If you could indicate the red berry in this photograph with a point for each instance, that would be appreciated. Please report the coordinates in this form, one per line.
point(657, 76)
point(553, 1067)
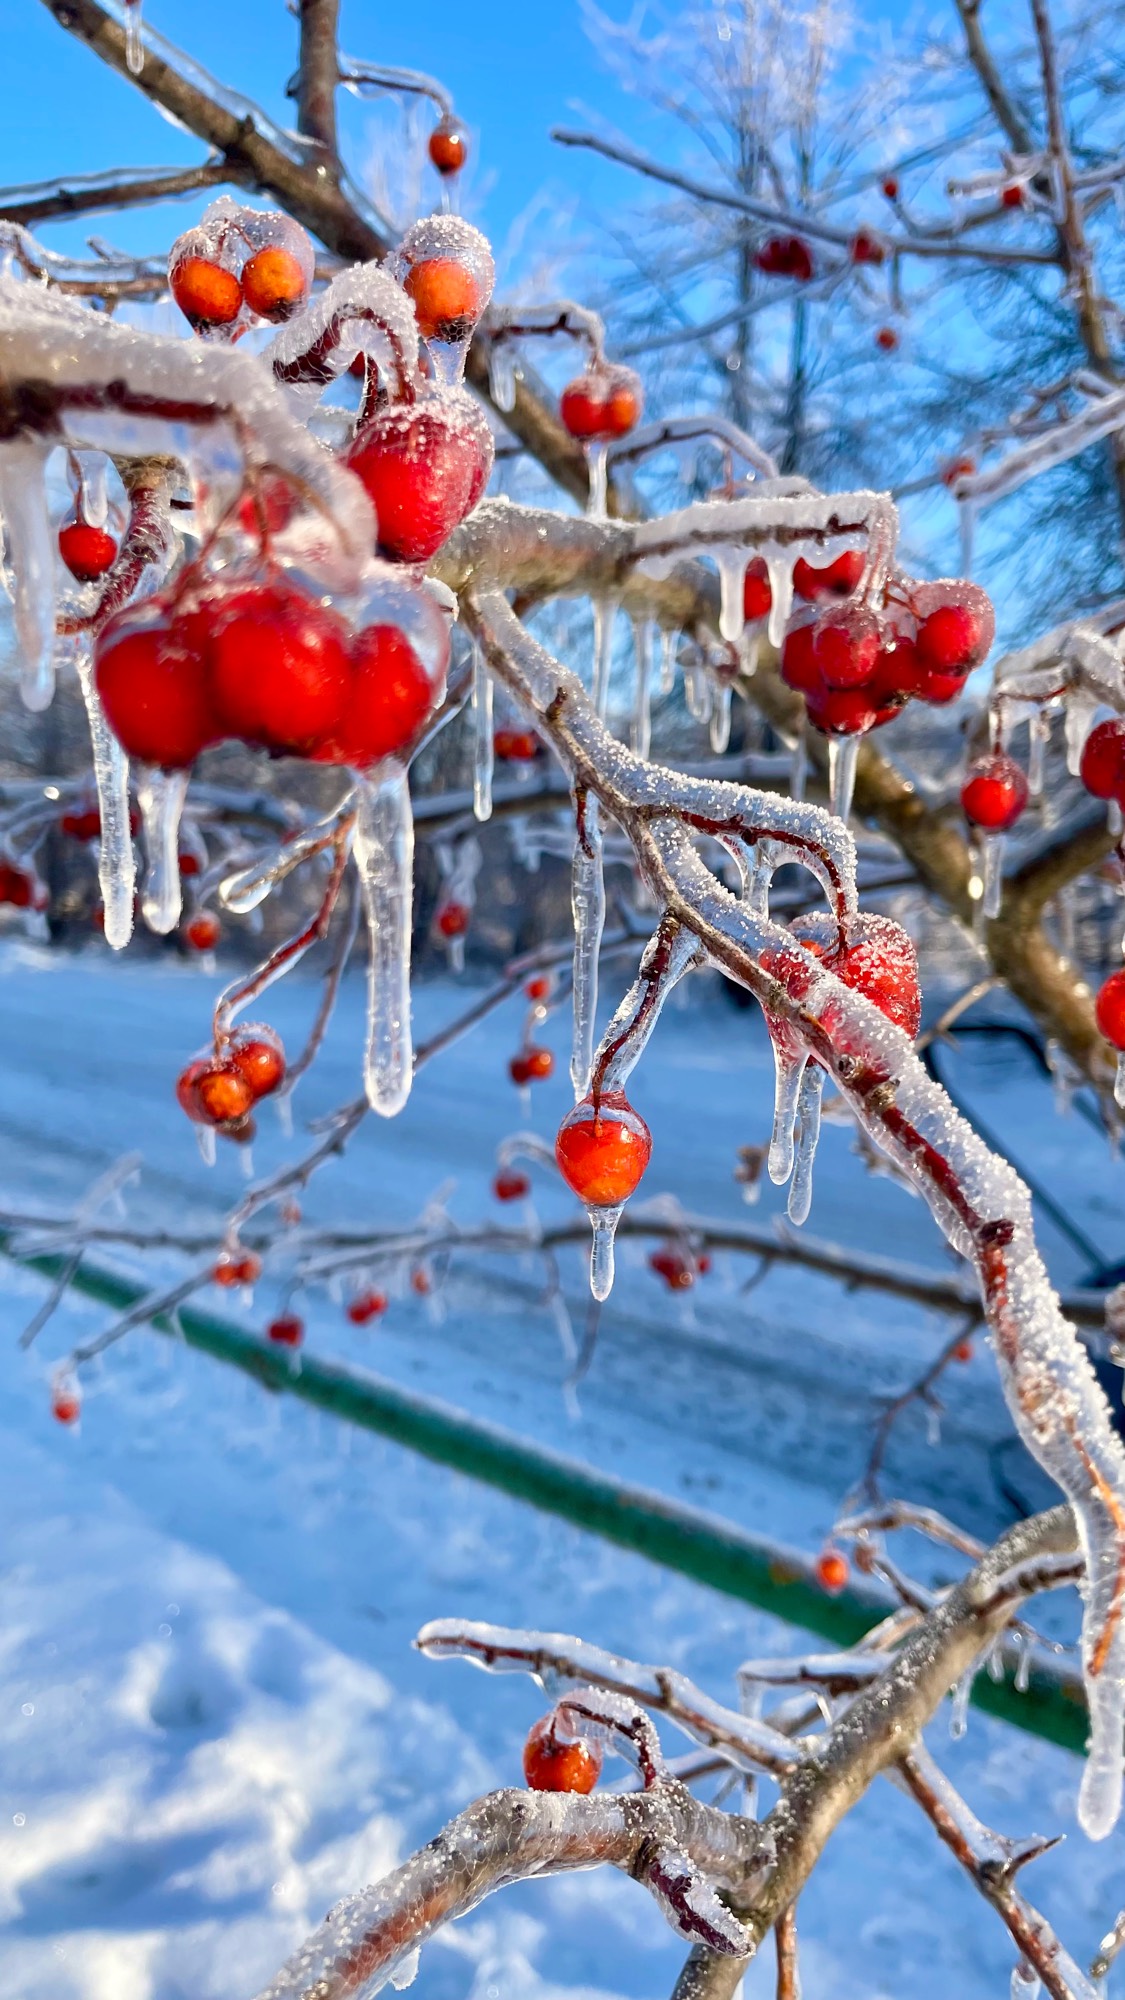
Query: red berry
point(832, 1571)
point(785, 257)
point(994, 793)
point(448, 148)
point(890, 188)
point(154, 687)
point(87, 552)
point(367, 1305)
point(757, 594)
point(286, 1331)
point(1011, 196)
point(949, 639)
point(866, 249)
point(676, 1269)
point(1102, 769)
point(66, 1403)
point(420, 1282)
point(538, 989)
point(16, 887)
point(269, 505)
point(391, 696)
point(540, 1063)
point(1109, 1009)
point(280, 668)
point(259, 1058)
point(453, 920)
point(886, 339)
point(799, 669)
point(846, 648)
point(551, 1765)
point(221, 1092)
point(958, 468)
point(188, 865)
point(446, 296)
point(516, 746)
point(841, 711)
point(876, 958)
point(603, 404)
point(203, 932)
point(274, 284)
point(603, 1149)
point(206, 294)
point(834, 579)
point(82, 825)
point(424, 466)
point(510, 1185)
point(962, 1352)
point(237, 1267)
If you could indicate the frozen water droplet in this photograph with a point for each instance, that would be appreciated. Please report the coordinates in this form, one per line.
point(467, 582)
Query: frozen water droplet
point(160, 795)
point(93, 488)
point(134, 46)
point(406, 1971)
point(842, 754)
point(205, 1140)
point(1078, 717)
point(1119, 1082)
point(799, 765)
point(1025, 1981)
point(1039, 736)
point(604, 1223)
point(483, 752)
point(787, 1085)
point(117, 867)
point(384, 856)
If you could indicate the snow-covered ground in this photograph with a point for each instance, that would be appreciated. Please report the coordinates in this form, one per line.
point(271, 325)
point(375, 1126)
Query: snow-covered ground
point(212, 1720)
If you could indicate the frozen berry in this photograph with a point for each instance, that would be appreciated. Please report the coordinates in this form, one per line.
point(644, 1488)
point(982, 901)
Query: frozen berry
point(799, 669)
point(286, 1331)
point(949, 639)
point(757, 594)
point(1012, 195)
point(87, 552)
point(16, 886)
point(604, 403)
point(1109, 1009)
point(448, 148)
point(154, 687)
point(366, 1306)
point(237, 1267)
point(85, 825)
point(846, 648)
point(832, 1571)
point(257, 1055)
point(206, 294)
point(538, 988)
point(274, 284)
point(994, 793)
point(424, 466)
point(540, 1063)
point(834, 579)
point(66, 1403)
point(203, 932)
point(958, 468)
point(446, 297)
point(962, 1352)
point(890, 188)
point(510, 1185)
point(866, 249)
point(222, 1093)
point(1102, 769)
point(886, 339)
point(675, 1267)
point(453, 920)
point(280, 667)
point(420, 1282)
point(391, 696)
point(785, 257)
point(602, 1149)
point(516, 746)
point(551, 1765)
point(267, 506)
point(841, 711)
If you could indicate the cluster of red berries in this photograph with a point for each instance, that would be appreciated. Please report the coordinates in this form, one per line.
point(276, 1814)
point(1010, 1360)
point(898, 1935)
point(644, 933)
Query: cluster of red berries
point(550, 1764)
point(602, 404)
point(871, 955)
point(785, 257)
point(367, 1306)
point(261, 660)
point(87, 552)
point(857, 668)
point(239, 264)
point(222, 1089)
point(236, 1266)
point(679, 1265)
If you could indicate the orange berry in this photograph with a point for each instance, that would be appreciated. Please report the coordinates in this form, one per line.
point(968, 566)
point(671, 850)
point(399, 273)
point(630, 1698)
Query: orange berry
point(553, 1766)
point(203, 932)
point(540, 1063)
point(205, 293)
point(963, 1351)
point(446, 298)
point(260, 1060)
point(449, 148)
point(273, 283)
point(222, 1093)
point(603, 1149)
point(66, 1405)
point(832, 1571)
point(420, 1282)
point(237, 1267)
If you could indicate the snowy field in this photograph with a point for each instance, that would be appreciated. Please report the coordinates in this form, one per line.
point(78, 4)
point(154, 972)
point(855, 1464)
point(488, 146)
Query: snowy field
point(212, 1720)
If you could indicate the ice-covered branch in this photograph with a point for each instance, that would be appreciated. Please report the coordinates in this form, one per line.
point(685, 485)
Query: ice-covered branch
point(113, 188)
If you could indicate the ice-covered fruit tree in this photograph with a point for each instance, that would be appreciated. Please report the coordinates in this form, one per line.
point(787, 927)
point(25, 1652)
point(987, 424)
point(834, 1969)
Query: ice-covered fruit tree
point(273, 529)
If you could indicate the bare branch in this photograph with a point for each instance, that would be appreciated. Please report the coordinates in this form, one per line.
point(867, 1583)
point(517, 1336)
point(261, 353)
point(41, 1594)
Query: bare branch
point(317, 75)
point(116, 188)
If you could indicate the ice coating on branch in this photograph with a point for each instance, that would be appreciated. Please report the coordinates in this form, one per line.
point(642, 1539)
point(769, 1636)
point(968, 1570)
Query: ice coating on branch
point(587, 901)
point(214, 408)
point(484, 752)
point(161, 795)
point(29, 569)
point(384, 857)
point(641, 732)
point(117, 867)
point(807, 1134)
point(669, 953)
point(362, 311)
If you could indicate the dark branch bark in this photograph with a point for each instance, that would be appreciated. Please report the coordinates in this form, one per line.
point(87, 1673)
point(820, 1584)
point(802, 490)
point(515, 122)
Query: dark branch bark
point(317, 77)
point(30, 205)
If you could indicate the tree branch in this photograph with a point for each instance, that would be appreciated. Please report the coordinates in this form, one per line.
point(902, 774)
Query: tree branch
point(317, 76)
point(118, 188)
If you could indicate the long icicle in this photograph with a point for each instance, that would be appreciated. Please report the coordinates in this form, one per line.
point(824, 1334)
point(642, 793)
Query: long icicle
point(160, 795)
point(384, 856)
point(117, 866)
point(483, 751)
point(588, 906)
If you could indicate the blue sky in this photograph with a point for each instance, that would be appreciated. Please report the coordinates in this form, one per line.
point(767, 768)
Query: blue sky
point(514, 70)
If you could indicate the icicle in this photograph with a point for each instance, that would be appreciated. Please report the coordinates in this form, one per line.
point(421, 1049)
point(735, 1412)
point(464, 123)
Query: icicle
point(406, 1972)
point(1115, 825)
point(205, 1140)
point(642, 712)
point(1119, 1083)
point(799, 765)
point(967, 524)
point(588, 905)
point(781, 597)
point(669, 641)
point(787, 1090)
point(720, 719)
point(502, 375)
point(117, 867)
point(30, 565)
point(992, 871)
point(483, 753)
point(598, 466)
point(808, 1132)
point(134, 47)
point(604, 1223)
point(94, 490)
point(842, 754)
point(700, 692)
point(959, 1706)
point(160, 795)
point(605, 618)
point(384, 855)
point(1038, 737)
point(732, 591)
point(1078, 715)
point(1023, 1664)
point(1025, 1981)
